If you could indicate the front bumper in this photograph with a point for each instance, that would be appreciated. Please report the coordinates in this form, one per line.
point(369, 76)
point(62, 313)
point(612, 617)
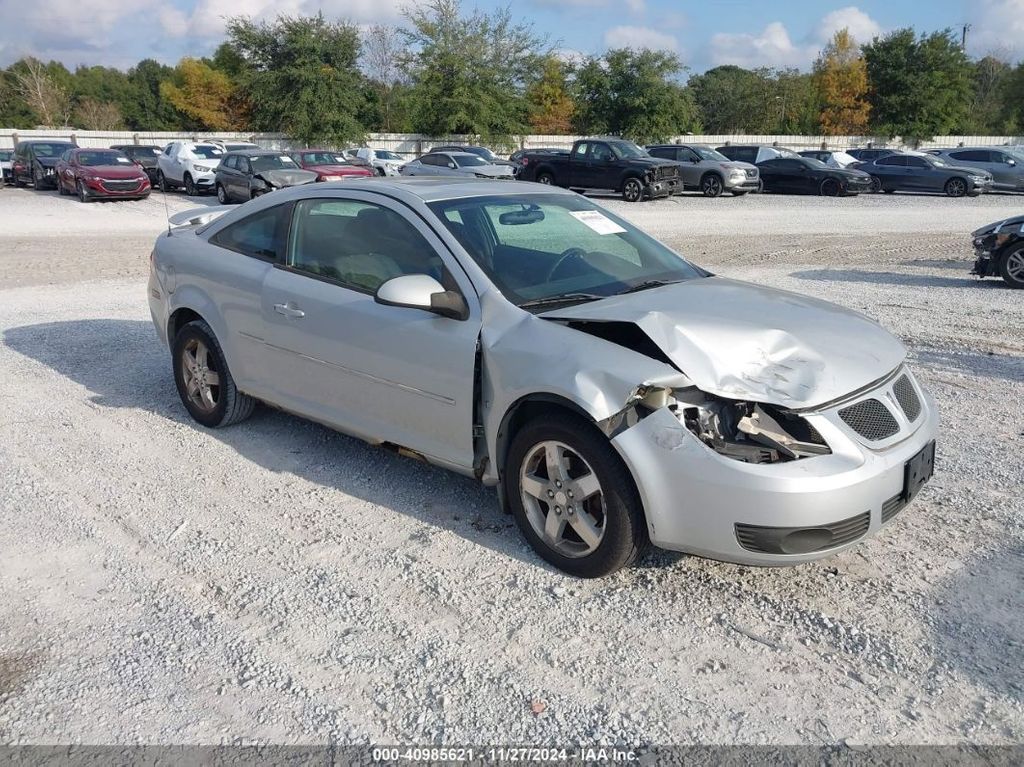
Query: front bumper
point(858, 186)
point(699, 502)
point(745, 184)
point(980, 187)
point(98, 189)
point(205, 182)
point(662, 188)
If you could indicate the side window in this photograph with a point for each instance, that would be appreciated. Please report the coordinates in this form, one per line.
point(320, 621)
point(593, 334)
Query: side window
point(358, 244)
point(601, 153)
point(432, 159)
point(893, 159)
point(915, 162)
point(581, 150)
point(663, 152)
point(971, 155)
point(229, 162)
point(261, 235)
point(745, 154)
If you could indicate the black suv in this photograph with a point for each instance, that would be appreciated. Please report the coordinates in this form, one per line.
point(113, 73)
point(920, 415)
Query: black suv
point(142, 155)
point(35, 162)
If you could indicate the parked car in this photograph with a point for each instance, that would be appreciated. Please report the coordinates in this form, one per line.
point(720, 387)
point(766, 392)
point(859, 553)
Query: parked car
point(95, 174)
point(5, 166)
point(480, 151)
point(516, 157)
point(455, 164)
point(999, 250)
point(833, 159)
point(701, 167)
point(383, 161)
point(143, 155)
point(606, 164)
point(242, 176)
point(184, 164)
point(328, 165)
point(234, 146)
point(925, 173)
point(1005, 167)
point(35, 162)
point(802, 175)
point(755, 154)
point(874, 153)
point(628, 395)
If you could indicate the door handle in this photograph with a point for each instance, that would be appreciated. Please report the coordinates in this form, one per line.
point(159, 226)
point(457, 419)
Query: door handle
point(289, 311)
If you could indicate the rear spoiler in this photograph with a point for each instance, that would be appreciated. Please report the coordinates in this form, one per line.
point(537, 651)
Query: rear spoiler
point(196, 216)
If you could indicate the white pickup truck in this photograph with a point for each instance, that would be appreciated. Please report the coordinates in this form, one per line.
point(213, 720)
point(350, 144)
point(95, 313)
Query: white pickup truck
point(184, 164)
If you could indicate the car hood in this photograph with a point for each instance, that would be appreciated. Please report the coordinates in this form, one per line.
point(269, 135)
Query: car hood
point(48, 162)
point(115, 172)
point(849, 173)
point(743, 341)
point(282, 177)
point(1002, 224)
point(340, 170)
point(491, 171)
point(965, 169)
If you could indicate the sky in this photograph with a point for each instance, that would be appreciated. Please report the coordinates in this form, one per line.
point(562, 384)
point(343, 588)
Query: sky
point(749, 33)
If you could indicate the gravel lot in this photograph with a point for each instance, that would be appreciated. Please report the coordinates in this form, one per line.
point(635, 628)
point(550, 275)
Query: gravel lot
point(278, 582)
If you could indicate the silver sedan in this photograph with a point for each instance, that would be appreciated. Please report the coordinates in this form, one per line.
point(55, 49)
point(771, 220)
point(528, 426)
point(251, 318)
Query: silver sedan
point(613, 392)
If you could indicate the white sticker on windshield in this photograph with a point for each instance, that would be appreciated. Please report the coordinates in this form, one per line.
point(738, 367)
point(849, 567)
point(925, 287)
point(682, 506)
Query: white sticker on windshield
point(597, 221)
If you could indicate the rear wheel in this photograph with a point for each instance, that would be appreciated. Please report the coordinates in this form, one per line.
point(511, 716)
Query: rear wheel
point(1011, 267)
point(956, 187)
point(204, 382)
point(632, 190)
point(190, 186)
point(61, 189)
point(573, 497)
point(222, 196)
point(711, 185)
point(545, 178)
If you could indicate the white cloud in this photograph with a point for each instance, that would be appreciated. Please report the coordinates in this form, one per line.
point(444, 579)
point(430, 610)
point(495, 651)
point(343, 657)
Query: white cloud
point(774, 47)
point(637, 6)
point(997, 26)
point(639, 38)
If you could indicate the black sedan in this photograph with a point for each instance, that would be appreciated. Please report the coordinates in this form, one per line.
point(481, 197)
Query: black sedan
point(925, 173)
point(802, 175)
point(241, 176)
point(999, 250)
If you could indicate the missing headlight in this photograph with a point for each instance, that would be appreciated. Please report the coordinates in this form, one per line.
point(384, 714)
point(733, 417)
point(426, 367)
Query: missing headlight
point(749, 431)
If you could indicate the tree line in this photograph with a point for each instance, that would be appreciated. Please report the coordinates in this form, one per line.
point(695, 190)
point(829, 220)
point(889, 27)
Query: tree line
point(448, 71)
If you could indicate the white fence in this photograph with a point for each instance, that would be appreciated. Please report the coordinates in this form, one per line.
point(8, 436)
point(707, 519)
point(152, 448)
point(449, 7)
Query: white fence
point(414, 144)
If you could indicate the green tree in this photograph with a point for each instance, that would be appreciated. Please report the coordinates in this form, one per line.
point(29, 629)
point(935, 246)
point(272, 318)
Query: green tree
point(147, 110)
point(1013, 101)
point(990, 107)
point(549, 102)
point(919, 87)
point(842, 76)
point(301, 76)
point(727, 98)
point(14, 110)
point(45, 89)
point(468, 73)
point(634, 94)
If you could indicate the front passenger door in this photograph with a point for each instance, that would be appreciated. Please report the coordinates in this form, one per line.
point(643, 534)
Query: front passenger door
point(384, 373)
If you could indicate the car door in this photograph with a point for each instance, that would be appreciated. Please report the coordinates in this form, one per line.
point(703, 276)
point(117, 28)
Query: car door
point(691, 168)
point(388, 374)
point(1002, 167)
point(920, 176)
point(600, 168)
point(892, 169)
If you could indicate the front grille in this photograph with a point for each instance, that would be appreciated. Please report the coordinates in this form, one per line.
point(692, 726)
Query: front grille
point(892, 507)
point(907, 397)
point(666, 171)
point(802, 540)
point(870, 419)
point(128, 185)
point(751, 172)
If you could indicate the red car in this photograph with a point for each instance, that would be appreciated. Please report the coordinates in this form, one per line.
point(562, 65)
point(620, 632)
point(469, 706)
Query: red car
point(329, 166)
point(93, 174)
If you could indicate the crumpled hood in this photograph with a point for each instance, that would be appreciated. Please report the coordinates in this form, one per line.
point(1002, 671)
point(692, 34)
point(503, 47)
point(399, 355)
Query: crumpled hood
point(1004, 223)
point(281, 177)
point(491, 171)
point(743, 341)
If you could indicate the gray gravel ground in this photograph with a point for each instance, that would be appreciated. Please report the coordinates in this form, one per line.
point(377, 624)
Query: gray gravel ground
point(279, 582)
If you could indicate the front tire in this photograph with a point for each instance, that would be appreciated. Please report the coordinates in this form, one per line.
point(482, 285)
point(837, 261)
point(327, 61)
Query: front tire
point(876, 184)
point(161, 182)
point(190, 186)
point(632, 190)
point(203, 380)
point(711, 185)
point(83, 194)
point(1011, 267)
point(830, 188)
point(573, 497)
point(956, 187)
point(545, 178)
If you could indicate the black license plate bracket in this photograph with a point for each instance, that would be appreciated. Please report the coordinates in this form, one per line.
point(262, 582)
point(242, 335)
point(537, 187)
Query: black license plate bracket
point(918, 470)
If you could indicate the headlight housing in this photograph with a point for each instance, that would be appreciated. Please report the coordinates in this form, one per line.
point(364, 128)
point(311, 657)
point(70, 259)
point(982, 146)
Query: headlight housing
point(202, 168)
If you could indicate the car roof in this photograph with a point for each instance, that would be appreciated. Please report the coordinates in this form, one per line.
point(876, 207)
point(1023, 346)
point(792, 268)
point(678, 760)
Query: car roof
point(257, 152)
point(435, 188)
point(459, 154)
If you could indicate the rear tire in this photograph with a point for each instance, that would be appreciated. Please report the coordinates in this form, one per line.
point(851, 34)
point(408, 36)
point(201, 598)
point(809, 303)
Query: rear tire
point(161, 182)
point(1011, 267)
point(222, 196)
point(190, 186)
point(196, 354)
point(613, 516)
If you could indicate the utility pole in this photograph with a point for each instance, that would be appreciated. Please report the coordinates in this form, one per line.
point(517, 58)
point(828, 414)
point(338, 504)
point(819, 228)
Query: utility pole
point(963, 37)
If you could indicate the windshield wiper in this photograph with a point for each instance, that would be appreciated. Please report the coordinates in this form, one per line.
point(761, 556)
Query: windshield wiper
point(646, 285)
point(561, 298)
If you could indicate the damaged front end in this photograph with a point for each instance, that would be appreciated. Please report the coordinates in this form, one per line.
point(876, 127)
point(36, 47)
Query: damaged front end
point(750, 432)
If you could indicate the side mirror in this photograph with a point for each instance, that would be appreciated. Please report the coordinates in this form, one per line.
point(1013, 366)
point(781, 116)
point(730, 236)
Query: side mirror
point(421, 291)
point(452, 165)
point(1011, 162)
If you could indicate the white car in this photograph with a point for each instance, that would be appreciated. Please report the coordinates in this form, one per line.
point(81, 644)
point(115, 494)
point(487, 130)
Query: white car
point(384, 162)
point(187, 165)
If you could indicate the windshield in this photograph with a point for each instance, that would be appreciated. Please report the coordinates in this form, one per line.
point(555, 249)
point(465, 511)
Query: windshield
point(323, 158)
point(467, 160)
point(384, 154)
point(93, 159)
point(707, 153)
point(50, 150)
point(542, 246)
point(207, 151)
point(262, 162)
point(843, 158)
point(813, 162)
point(627, 150)
point(482, 151)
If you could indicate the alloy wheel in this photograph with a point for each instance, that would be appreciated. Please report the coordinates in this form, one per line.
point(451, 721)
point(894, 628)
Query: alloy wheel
point(956, 187)
point(563, 499)
point(711, 186)
point(202, 382)
point(1014, 267)
point(876, 184)
point(190, 186)
point(632, 190)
